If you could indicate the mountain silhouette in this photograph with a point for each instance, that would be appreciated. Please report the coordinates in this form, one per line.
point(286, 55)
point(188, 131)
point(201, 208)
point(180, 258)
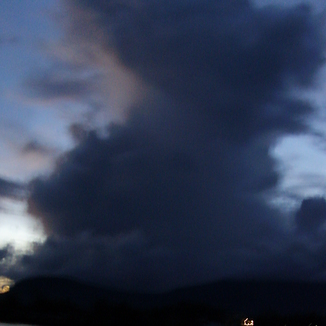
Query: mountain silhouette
point(56, 300)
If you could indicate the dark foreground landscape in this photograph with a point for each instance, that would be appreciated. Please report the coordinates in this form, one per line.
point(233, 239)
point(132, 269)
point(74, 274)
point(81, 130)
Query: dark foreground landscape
point(60, 301)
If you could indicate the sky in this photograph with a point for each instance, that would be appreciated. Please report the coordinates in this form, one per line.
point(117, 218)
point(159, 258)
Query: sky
point(153, 144)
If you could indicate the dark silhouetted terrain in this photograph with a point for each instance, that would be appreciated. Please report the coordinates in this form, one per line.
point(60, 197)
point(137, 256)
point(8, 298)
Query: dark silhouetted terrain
point(62, 301)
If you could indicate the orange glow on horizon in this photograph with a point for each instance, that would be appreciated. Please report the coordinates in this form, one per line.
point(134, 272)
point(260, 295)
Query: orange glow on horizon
point(5, 284)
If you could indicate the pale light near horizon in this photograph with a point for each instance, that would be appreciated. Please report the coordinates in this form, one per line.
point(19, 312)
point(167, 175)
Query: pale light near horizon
point(19, 229)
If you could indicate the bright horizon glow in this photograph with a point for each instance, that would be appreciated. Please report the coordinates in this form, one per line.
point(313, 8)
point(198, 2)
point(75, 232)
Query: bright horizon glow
point(18, 228)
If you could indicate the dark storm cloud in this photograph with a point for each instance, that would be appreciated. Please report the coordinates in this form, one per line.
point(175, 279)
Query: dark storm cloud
point(225, 59)
point(188, 169)
point(78, 132)
point(312, 215)
point(5, 252)
point(118, 177)
point(184, 203)
point(11, 189)
point(305, 254)
point(104, 258)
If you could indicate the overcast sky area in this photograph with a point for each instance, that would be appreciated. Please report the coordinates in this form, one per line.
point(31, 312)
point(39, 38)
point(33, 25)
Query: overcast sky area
point(152, 144)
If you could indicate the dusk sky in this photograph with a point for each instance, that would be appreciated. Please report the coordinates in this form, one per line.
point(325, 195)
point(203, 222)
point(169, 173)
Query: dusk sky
point(152, 144)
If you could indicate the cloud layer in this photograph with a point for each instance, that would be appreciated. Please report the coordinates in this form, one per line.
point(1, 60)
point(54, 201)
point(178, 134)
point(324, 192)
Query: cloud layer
point(176, 194)
point(10, 189)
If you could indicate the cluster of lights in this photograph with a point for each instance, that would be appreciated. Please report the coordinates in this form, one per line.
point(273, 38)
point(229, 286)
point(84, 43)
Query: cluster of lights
point(247, 322)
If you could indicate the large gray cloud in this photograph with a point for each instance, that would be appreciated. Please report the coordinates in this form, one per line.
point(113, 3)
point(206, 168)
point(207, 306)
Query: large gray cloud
point(225, 59)
point(176, 194)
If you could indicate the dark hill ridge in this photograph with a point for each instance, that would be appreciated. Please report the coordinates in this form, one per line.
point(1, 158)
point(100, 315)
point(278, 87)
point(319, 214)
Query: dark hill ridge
point(72, 291)
point(252, 297)
point(256, 297)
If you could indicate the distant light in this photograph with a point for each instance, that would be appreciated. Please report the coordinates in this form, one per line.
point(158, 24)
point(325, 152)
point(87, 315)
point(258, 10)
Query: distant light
point(247, 322)
point(5, 284)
